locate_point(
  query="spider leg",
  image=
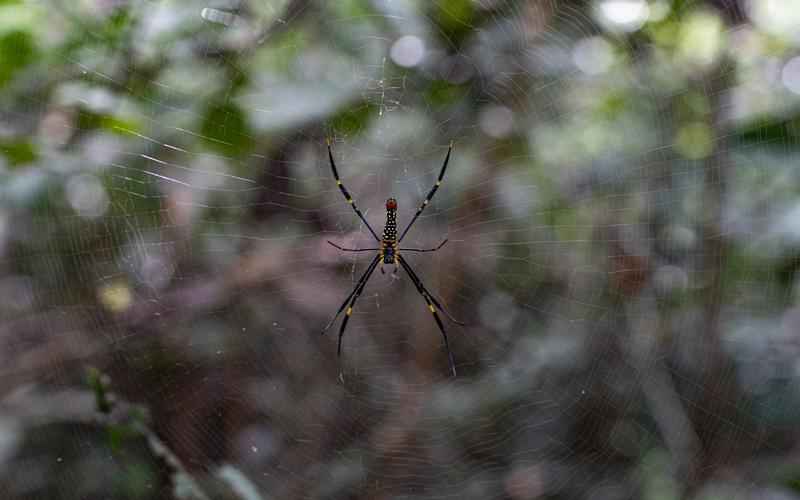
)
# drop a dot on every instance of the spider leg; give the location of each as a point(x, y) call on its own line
point(356, 294)
point(352, 249)
point(346, 194)
point(415, 278)
point(361, 280)
point(430, 301)
point(425, 249)
point(430, 195)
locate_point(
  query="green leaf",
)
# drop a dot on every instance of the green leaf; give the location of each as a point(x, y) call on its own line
point(118, 435)
point(225, 129)
point(765, 130)
point(17, 50)
point(89, 120)
point(19, 153)
point(441, 93)
point(454, 18)
point(353, 120)
point(136, 481)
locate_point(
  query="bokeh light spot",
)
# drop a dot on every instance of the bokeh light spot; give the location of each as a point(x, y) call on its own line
point(779, 17)
point(87, 196)
point(496, 121)
point(218, 16)
point(407, 51)
point(701, 38)
point(116, 297)
point(694, 140)
point(622, 15)
point(659, 10)
point(593, 55)
point(790, 75)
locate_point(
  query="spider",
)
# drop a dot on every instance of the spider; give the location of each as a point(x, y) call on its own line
point(389, 252)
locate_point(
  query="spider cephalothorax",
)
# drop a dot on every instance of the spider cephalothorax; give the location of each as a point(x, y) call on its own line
point(389, 252)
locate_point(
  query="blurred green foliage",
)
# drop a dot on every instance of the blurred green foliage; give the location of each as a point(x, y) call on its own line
point(621, 205)
point(19, 153)
point(224, 129)
point(17, 50)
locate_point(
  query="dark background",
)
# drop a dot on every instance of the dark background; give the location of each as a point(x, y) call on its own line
point(624, 232)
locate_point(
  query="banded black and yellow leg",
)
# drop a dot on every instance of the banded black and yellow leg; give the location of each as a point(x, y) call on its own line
point(417, 281)
point(430, 301)
point(347, 194)
point(349, 311)
point(430, 194)
point(364, 277)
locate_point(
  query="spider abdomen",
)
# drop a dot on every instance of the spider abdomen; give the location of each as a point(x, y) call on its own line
point(389, 241)
point(390, 229)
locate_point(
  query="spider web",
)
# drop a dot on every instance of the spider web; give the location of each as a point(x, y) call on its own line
point(180, 214)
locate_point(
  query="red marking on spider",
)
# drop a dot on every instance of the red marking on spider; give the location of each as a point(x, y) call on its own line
point(391, 204)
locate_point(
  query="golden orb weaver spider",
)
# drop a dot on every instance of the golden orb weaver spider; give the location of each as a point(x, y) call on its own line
point(389, 252)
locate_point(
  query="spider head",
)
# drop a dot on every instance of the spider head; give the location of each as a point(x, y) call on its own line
point(391, 204)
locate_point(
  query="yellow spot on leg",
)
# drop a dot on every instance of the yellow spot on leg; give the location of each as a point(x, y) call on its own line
point(430, 306)
point(438, 183)
point(349, 311)
point(350, 200)
point(338, 183)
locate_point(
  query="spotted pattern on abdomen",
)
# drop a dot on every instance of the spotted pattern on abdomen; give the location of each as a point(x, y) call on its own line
point(390, 229)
